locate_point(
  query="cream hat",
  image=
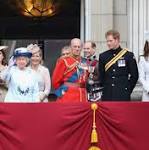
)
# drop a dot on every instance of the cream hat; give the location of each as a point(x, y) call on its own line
point(33, 48)
point(3, 47)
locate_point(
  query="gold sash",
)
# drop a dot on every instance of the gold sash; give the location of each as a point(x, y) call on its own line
point(115, 59)
point(70, 67)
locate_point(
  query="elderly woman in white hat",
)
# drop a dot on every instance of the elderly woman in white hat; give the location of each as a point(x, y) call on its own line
point(3, 66)
point(22, 82)
point(43, 75)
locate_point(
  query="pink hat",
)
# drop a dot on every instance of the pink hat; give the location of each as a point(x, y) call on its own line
point(33, 48)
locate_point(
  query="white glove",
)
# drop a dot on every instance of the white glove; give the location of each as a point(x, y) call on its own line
point(11, 62)
point(42, 96)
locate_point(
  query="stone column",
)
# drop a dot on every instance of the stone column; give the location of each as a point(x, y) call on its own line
point(99, 19)
point(87, 20)
point(120, 20)
point(138, 23)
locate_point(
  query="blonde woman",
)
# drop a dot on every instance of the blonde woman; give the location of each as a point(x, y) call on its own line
point(43, 75)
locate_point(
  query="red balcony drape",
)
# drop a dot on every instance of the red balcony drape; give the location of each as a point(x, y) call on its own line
point(67, 126)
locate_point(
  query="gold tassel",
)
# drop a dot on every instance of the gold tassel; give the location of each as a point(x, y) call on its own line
point(94, 148)
point(94, 137)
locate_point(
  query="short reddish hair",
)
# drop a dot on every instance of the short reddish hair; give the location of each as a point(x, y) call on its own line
point(114, 33)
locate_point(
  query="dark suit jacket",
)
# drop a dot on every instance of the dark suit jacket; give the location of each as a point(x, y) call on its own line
point(120, 79)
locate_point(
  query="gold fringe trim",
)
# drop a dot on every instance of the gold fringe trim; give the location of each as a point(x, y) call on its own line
point(94, 148)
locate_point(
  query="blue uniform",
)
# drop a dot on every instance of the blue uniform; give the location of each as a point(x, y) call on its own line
point(120, 79)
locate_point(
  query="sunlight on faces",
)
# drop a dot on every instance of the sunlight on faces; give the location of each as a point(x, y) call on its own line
point(76, 47)
point(88, 50)
point(36, 58)
point(111, 42)
point(22, 62)
point(65, 53)
point(66, 50)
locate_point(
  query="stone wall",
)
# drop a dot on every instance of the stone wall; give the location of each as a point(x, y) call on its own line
point(129, 17)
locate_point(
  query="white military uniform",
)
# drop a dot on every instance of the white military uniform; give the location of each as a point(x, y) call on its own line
point(144, 77)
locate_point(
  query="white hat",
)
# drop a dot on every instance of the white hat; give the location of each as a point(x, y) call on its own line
point(33, 48)
point(146, 35)
point(22, 51)
point(3, 47)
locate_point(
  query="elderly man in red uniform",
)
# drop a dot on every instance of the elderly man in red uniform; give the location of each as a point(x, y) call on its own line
point(69, 76)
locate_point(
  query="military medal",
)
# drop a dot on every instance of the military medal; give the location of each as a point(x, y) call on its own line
point(121, 63)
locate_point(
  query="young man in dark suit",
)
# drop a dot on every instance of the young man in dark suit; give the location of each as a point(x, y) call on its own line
point(118, 70)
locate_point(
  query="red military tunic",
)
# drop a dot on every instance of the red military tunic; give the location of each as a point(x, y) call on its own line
point(69, 79)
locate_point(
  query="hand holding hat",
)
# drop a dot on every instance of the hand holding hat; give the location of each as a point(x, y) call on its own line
point(11, 62)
